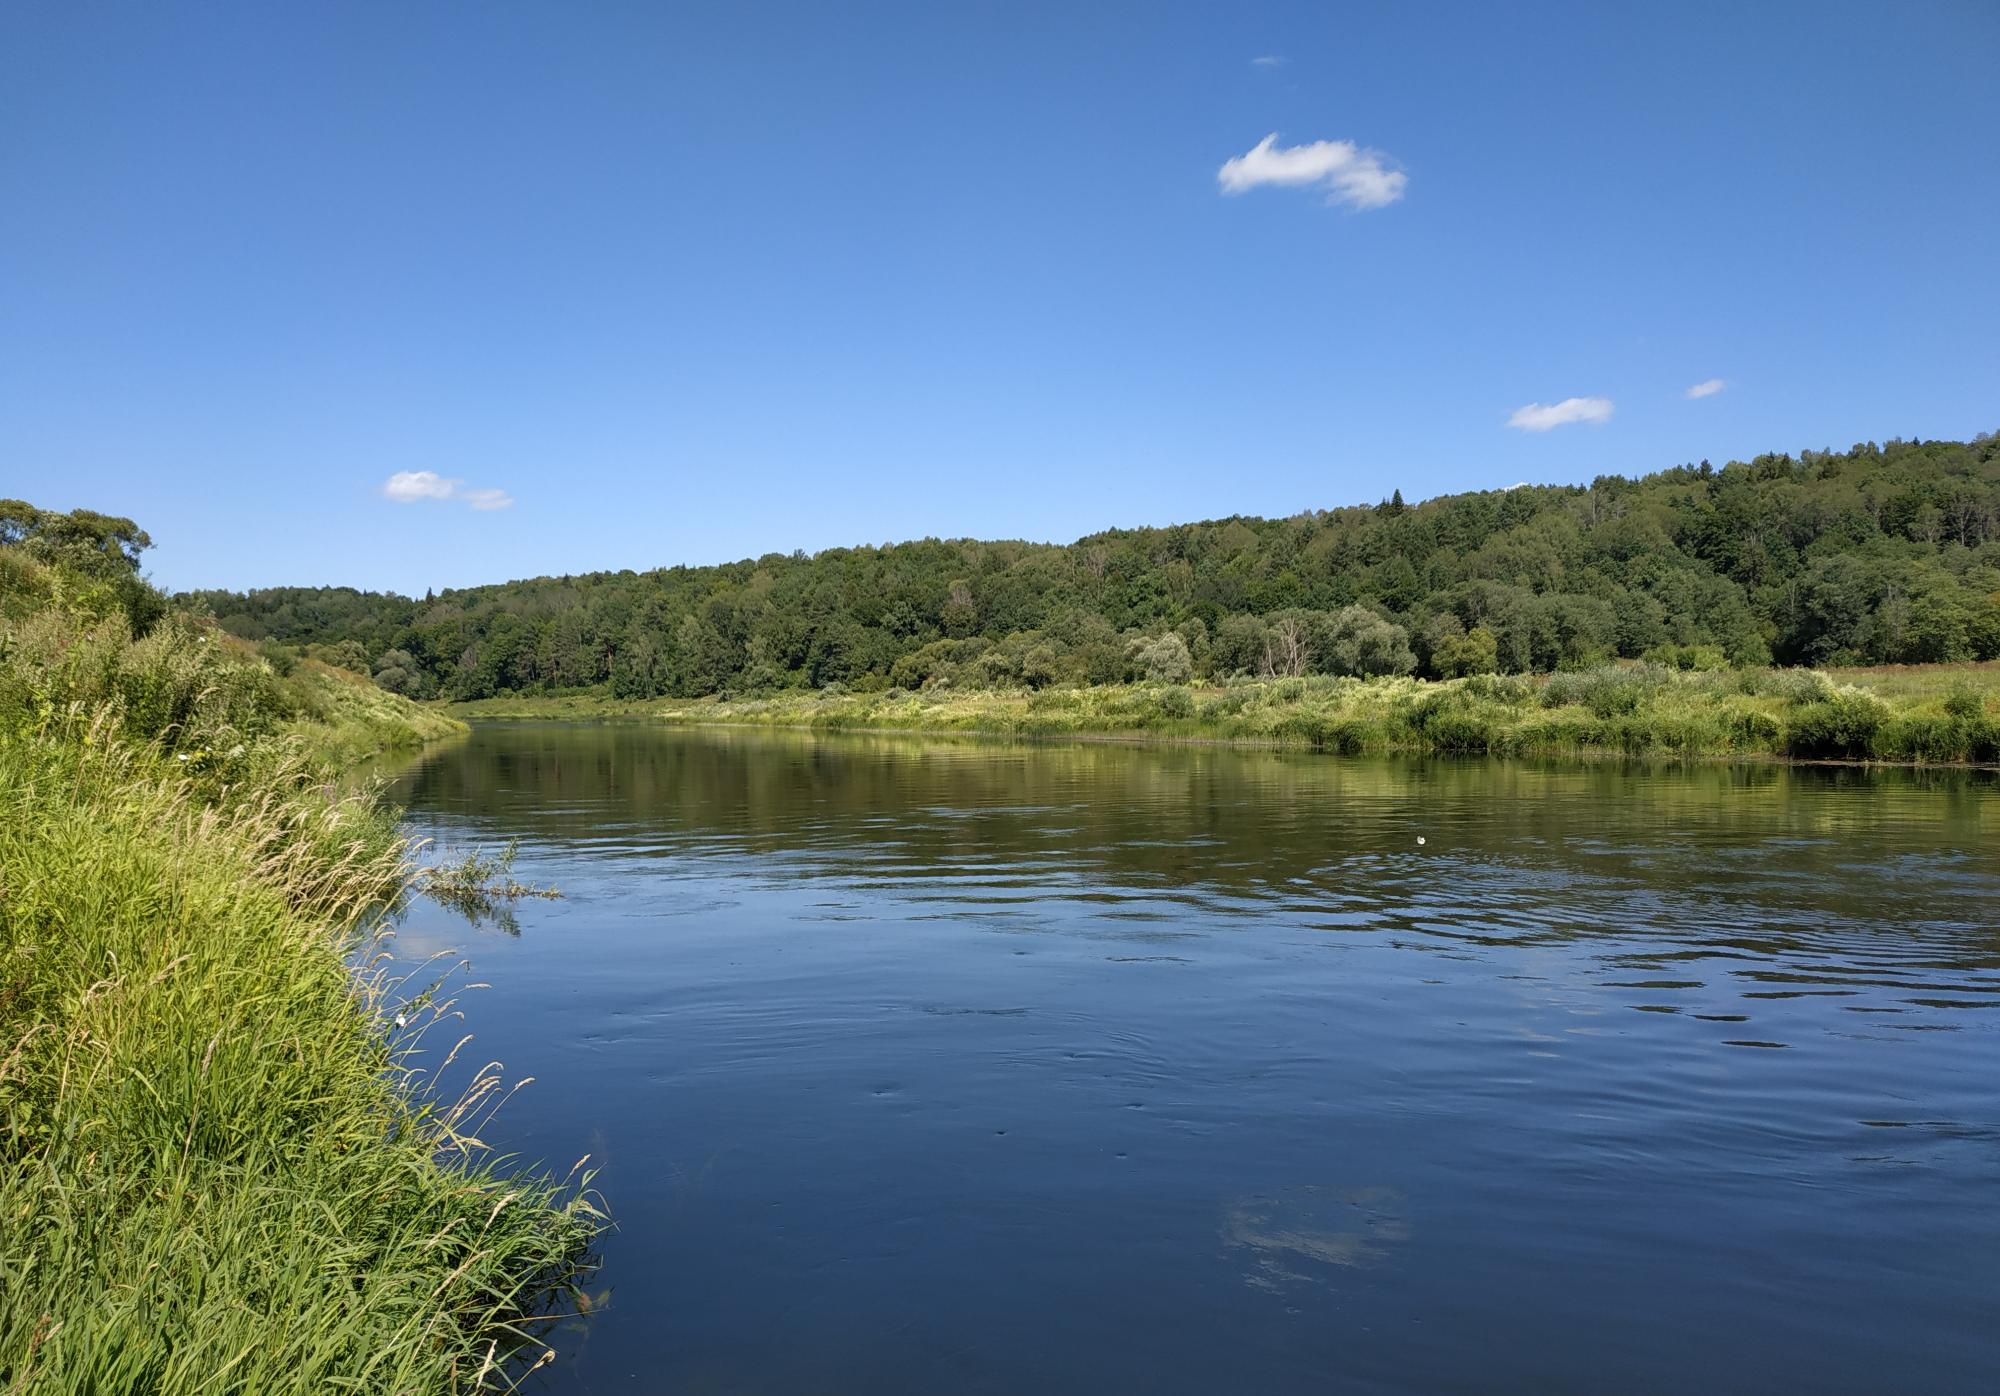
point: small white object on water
(1420, 840)
(401, 1021)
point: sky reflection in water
(992, 1067)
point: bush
(1796, 686)
(1446, 723)
(1688, 658)
(1839, 727)
(1501, 688)
(1352, 736)
(1755, 731)
(1460, 733)
(1922, 737)
(281, 659)
(1608, 691)
(1964, 701)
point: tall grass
(1627, 709)
(220, 1171)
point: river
(918, 1066)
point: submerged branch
(478, 885)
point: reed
(1635, 709)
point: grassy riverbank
(1938, 715)
(218, 1172)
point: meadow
(1914, 715)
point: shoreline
(197, 891)
(1927, 720)
(1591, 755)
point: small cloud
(409, 486)
(1708, 387)
(1517, 485)
(1268, 60)
(1535, 417)
(1351, 175)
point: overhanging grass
(218, 1173)
(216, 1179)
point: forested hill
(1879, 554)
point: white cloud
(1350, 174)
(1708, 387)
(1267, 60)
(409, 486)
(1535, 417)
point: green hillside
(1879, 554)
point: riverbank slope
(217, 1172)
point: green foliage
(1609, 691)
(1165, 660)
(1688, 658)
(93, 560)
(1637, 710)
(1842, 726)
(1880, 554)
(1964, 702)
(219, 1172)
(480, 886)
(1364, 644)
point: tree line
(1880, 554)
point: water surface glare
(993, 1068)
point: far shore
(1930, 716)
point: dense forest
(1878, 554)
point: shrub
(1964, 701)
(1841, 726)
(1608, 691)
(1501, 688)
(1445, 722)
(1922, 737)
(1755, 731)
(282, 659)
(1350, 736)
(1688, 658)
(1797, 686)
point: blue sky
(659, 284)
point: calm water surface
(919, 1067)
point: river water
(980, 1067)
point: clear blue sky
(693, 282)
